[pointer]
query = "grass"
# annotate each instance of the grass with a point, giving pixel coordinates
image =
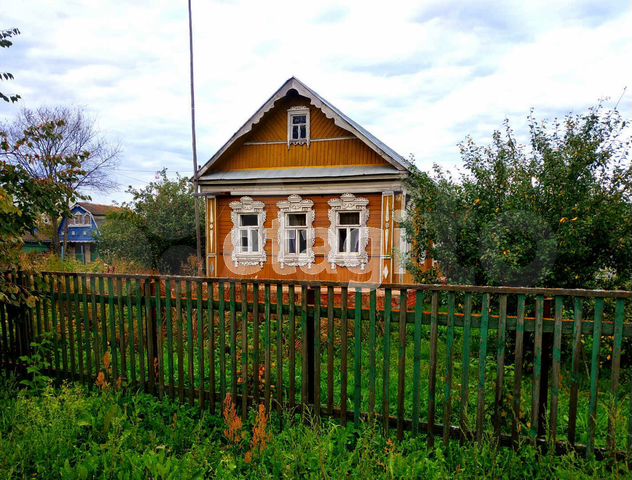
(74, 432)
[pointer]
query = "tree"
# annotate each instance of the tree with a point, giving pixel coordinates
(24, 199)
(555, 213)
(75, 135)
(5, 42)
(155, 229)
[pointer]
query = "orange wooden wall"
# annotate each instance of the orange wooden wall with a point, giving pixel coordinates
(321, 270)
(273, 128)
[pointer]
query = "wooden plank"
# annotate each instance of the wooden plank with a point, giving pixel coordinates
(465, 374)
(112, 325)
(401, 366)
(357, 360)
(537, 365)
(372, 347)
(102, 309)
(619, 317)
(267, 346)
(518, 369)
(147, 332)
(575, 365)
(121, 329)
(305, 374)
(36, 283)
(244, 350)
(330, 350)
(482, 362)
(180, 340)
(344, 349)
(140, 334)
(594, 377)
(159, 348)
(388, 300)
(556, 369)
(279, 349)
(200, 343)
(130, 332)
(211, 344)
(447, 402)
(317, 294)
(419, 309)
(68, 318)
(54, 306)
(222, 340)
(190, 344)
(94, 324)
(500, 365)
(169, 321)
(4, 340)
(432, 382)
(233, 342)
(256, 358)
(79, 321)
(292, 353)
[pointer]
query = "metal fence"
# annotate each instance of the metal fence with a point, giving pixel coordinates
(473, 363)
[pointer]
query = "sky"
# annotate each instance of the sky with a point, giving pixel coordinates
(420, 75)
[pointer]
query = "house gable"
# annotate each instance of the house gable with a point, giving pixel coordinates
(335, 140)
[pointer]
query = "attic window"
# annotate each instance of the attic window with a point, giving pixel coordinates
(298, 126)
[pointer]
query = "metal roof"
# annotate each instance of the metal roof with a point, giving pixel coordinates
(339, 118)
(298, 173)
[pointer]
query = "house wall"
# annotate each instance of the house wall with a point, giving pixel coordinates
(266, 145)
(321, 270)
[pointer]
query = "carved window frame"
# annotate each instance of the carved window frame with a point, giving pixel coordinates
(246, 205)
(291, 113)
(295, 204)
(348, 203)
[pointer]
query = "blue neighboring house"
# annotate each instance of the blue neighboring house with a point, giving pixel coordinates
(82, 229)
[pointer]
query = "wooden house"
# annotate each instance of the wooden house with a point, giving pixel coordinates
(82, 229)
(302, 192)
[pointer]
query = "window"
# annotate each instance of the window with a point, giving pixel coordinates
(248, 234)
(296, 234)
(80, 219)
(298, 126)
(348, 231)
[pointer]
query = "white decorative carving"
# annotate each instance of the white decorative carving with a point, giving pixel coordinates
(295, 204)
(348, 203)
(248, 205)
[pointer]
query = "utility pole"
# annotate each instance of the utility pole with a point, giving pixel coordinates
(198, 235)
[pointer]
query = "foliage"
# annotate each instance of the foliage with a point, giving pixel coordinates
(49, 262)
(5, 42)
(554, 213)
(73, 433)
(156, 229)
(37, 363)
(24, 198)
(72, 135)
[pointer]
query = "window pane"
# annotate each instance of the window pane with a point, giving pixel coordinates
(303, 131)
(254, 237)
(244, 240)
(354, 240)
(299, 119)
(291, 241)
(248, 220)
(342, 240)
(349, 218)
(296, 219)
(302, 241)
(295, 132)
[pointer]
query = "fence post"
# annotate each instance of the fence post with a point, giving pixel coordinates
(547, 352)
(152, 332)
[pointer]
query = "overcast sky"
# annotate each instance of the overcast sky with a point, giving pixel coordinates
(420, 75)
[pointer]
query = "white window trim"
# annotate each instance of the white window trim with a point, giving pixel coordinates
(295, 204)
(246, 205)
(292, 112)
(348, 203)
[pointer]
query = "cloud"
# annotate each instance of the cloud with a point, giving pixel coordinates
(419, 77)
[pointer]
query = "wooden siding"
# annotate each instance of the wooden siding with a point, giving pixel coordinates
(321, 270)
(344, 151)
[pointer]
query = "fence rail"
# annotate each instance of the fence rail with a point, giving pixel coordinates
(511, 364)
